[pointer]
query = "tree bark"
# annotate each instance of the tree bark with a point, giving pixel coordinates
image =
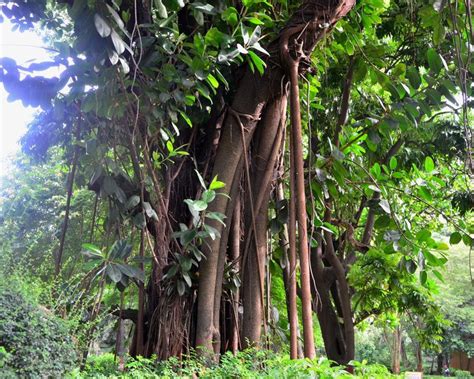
(309, 25)
(70, 186)
(261, 175)
(297, 176)
(396, 350)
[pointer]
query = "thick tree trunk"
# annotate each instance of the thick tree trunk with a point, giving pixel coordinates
(440, 361)
(228, 167)
(309, 25)
(265, 153)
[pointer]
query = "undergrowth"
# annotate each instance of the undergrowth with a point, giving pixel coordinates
(251, 363)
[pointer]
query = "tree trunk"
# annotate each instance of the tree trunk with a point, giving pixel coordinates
(419, 357)
(440, 361)
(309, 25)
(396, 350)
(265, 155)
(403, 353)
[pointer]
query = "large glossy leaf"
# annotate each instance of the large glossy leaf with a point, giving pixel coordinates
(102, 26)
(91, 251)
(113, 272)
(121, 249)
(434, 61)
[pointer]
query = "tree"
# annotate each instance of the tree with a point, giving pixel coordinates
(176, 112)
(455, 299)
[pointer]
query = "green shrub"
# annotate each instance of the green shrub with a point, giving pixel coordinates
(35, 344)
(463, 374)
(251, 363)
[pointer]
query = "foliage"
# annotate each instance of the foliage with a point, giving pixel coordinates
(371, 345)
(462, 374)
(457, 303)
(245, 364)
(144, 102)
(35, 343)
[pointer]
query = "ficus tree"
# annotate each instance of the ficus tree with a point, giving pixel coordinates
(177, 112)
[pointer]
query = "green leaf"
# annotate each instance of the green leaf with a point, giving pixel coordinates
(227, 56)
(423, 277)
(455, 238)
(212, 80)
(385, 205)
(258, 62)
(187, 279)
(91, 251)
(186, 236)
(201, 180)
(186, 264)
(433, 96)
(186, 118)
(162, 12)
(102, 26)
(180, 287)
(360, 70)
(216, 38)
(414, 77)
(113, 272)
(442, 246)
(231, 16)
(434, 60)
(425, 194)
(255, 21)
(423, 235)
(196, 205)
(212, 232)
(447, 94)
(120, 250)
(204, 8)
(438, 275)
(150, 212)
(410, 266)
(132, 272)
(393, 163)
(96, 176)
(171, 272)
(376, 170)
(109, 186)
(430, 258)
(216, 184)
(118, 43)
(429, 164)
(216, 216)
(439, 33)
(208, 196)
(382, 222)
(139, 220)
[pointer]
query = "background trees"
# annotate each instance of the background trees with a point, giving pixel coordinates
(173, 116)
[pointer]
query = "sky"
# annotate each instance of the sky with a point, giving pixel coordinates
(14, 117)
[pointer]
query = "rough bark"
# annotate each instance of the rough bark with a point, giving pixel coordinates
(309, 25)
(265, 154)
(396, 350)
